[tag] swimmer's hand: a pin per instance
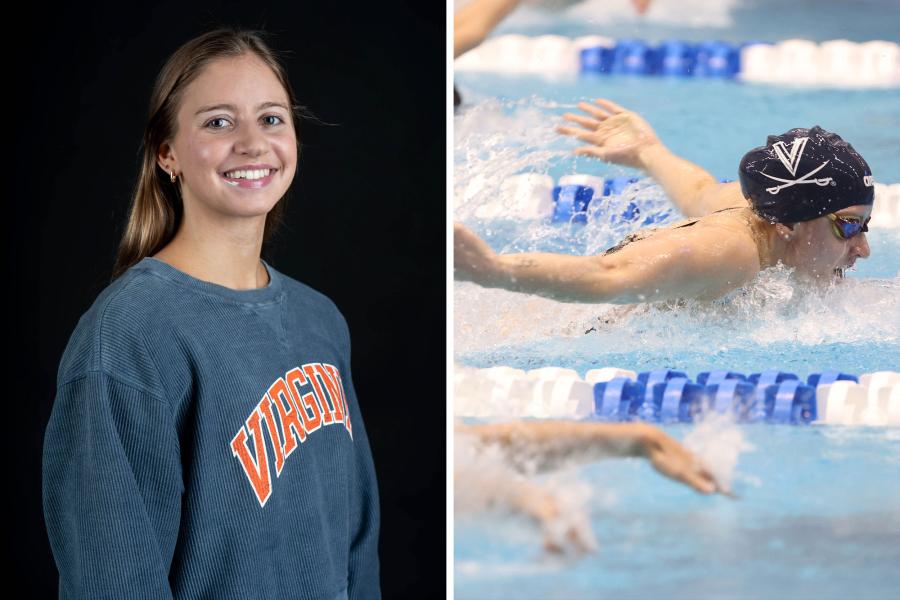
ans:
(614, 134)
(473, 259)
(675, 461)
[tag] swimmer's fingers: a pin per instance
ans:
(582, 134)
(675, 461)
(679, 466)
(597, 113)
(700, 479)
(610, 106)
(587, 123)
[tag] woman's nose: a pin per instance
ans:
(251, 142)
(862, 246)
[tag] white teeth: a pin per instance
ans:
(257, 174)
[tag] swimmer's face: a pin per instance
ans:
(256, 129)
(816, 251)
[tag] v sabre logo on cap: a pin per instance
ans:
(791, 160)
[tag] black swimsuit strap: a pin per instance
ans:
(633, 237)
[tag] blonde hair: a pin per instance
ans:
(156, 207)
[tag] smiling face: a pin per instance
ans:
(235, 114)
(815, 250)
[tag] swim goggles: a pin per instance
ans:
(847, 227)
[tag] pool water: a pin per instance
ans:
(818, 517)
(819, 508)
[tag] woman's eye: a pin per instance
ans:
(210, 125)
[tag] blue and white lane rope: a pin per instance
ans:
(664, 395)
(795, 62)
(576, 198)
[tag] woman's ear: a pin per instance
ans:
(165, 158)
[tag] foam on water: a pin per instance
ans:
(717, 441)
(487, 487)
(774, 309)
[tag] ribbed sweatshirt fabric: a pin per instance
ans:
(207, 442)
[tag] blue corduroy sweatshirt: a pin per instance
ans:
(207, 442)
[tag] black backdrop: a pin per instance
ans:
(365, 224)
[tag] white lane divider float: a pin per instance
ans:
(612, 394)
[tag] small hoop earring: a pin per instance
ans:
(173, 176)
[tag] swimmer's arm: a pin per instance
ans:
(562, 277)
(473, 22)
(668, 265)
(550, 443)
(691, 188)
(621, 136)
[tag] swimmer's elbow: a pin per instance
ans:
(603, 284)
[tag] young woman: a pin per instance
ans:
(206, 439)
(804, 199)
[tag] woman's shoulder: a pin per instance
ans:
(304, 296)
(110, 336)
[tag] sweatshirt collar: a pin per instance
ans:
(252, 296)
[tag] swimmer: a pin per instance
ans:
(804, 199)
(547, 445)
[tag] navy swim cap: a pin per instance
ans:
(803, 174)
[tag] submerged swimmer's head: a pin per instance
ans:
(804, 174)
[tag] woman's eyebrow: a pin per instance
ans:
(232, 108)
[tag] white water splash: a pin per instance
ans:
(718, 442)
(774, 309)
(495, 140)
(486, 485)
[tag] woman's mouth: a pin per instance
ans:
(249, 179)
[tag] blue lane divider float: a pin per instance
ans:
(677, 58)
(572, 202)
(666, 395)
(578, 197)
(831, 63)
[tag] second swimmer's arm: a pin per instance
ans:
(473, 22)
(548, 443)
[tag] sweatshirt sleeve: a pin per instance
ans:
(365, 519)
(112, 489)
